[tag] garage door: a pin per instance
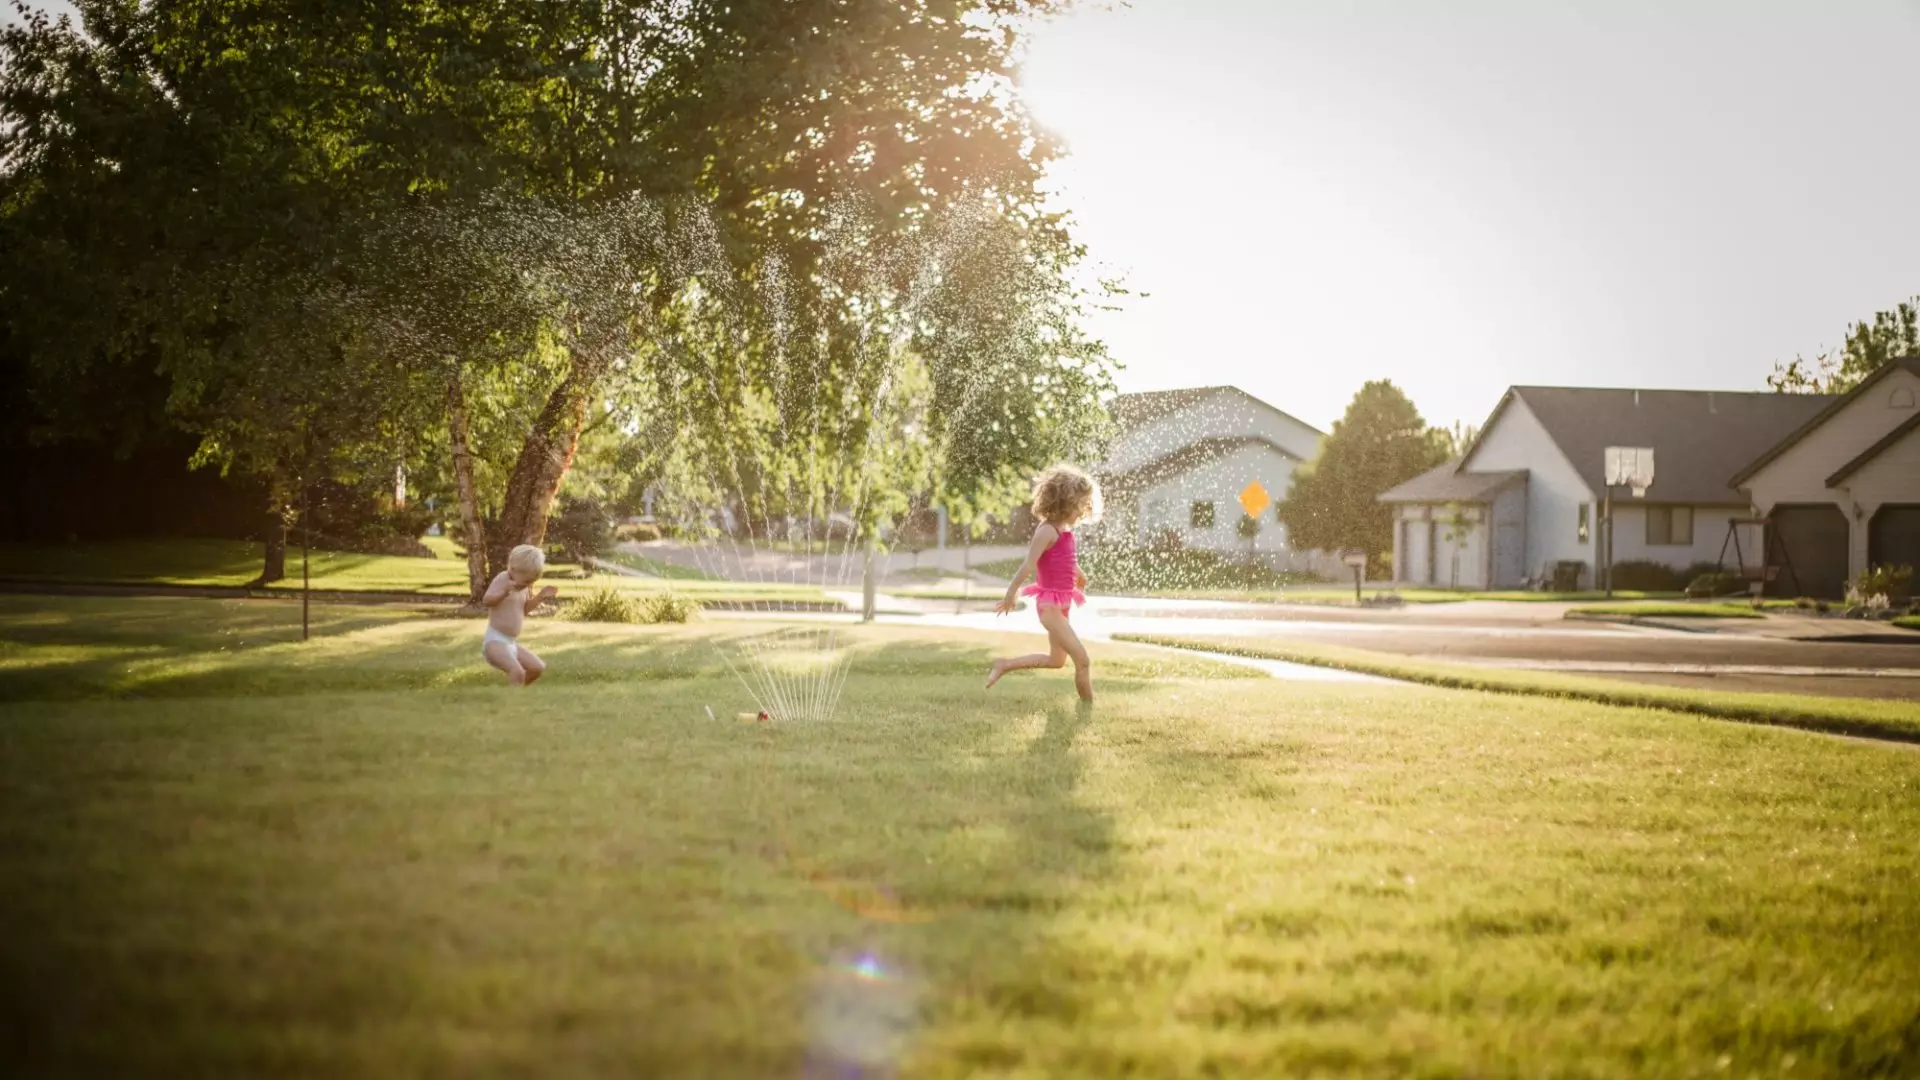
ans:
(1894, 537)
(1814, 539)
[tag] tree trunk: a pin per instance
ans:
(472, 529)
(275, 568)
(543, 462)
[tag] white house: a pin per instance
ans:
(1181, 461)
(1446, 522)
(1842, 489)
(1535, 479)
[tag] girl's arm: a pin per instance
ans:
(501, 588)
(1043, 538)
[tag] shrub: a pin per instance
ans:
(1641, 575)
(1695, 571)
(666, 607)
(1802, 602)
(640, 532)
(1893, 582)
(1711, 585)
(1248, 528)
(606, 605)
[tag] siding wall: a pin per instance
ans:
(1169, 505)
(1709, 534)
(1554, 491)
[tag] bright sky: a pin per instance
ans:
(1652, 193)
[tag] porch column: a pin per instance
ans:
(1859, 533)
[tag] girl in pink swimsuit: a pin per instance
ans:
(1063, 497)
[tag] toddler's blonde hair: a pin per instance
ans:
(1065, 495)
(527, 559)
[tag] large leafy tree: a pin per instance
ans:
(192, 173)
(1379, 443)
(1868, 346)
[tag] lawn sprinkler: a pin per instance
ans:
(760, 717)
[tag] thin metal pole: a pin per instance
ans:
(306, 550)
(1609, 541)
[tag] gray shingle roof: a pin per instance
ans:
(1700, 438)
(1446, 484)
(1186, 459)
(1129, 410)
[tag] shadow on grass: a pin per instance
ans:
(941, 858)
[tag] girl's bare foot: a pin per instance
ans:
(999, 669)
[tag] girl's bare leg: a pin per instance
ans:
(501, 656)
(1055, 659)
(1067, 642)
(531, 664)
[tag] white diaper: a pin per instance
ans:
(492, 636)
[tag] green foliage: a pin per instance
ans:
(639, 532)
(1380, 443)
(605, 604)
(1640, 575)
(1247, 527)
(311, 262)
(1716, 584)
(666, 607)
(1868, 347)
(608, 604)
(1893, 582)
(582, 530)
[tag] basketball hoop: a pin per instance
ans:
(1630, 467)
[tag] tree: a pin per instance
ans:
(173, 138)
(1454, 441)
(1380, 443)
(1867, 347)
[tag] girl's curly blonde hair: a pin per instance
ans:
(1064, 495)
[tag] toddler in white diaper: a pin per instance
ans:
(508, 600)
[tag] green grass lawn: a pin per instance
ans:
(234, 563)
(1695, 610)
(226, 853)
(1908, 622)
(656, 567)
(1896, 720)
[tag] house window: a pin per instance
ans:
(1201, 516)
(1669, 525)
(1586, 521)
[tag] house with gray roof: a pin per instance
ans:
(1530, 491)
(1842, 488)
(1181, 460)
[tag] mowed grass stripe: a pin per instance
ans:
(1897, 721)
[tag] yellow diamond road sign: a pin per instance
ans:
(1254, 499)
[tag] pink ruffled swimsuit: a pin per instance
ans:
(1056, 573)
